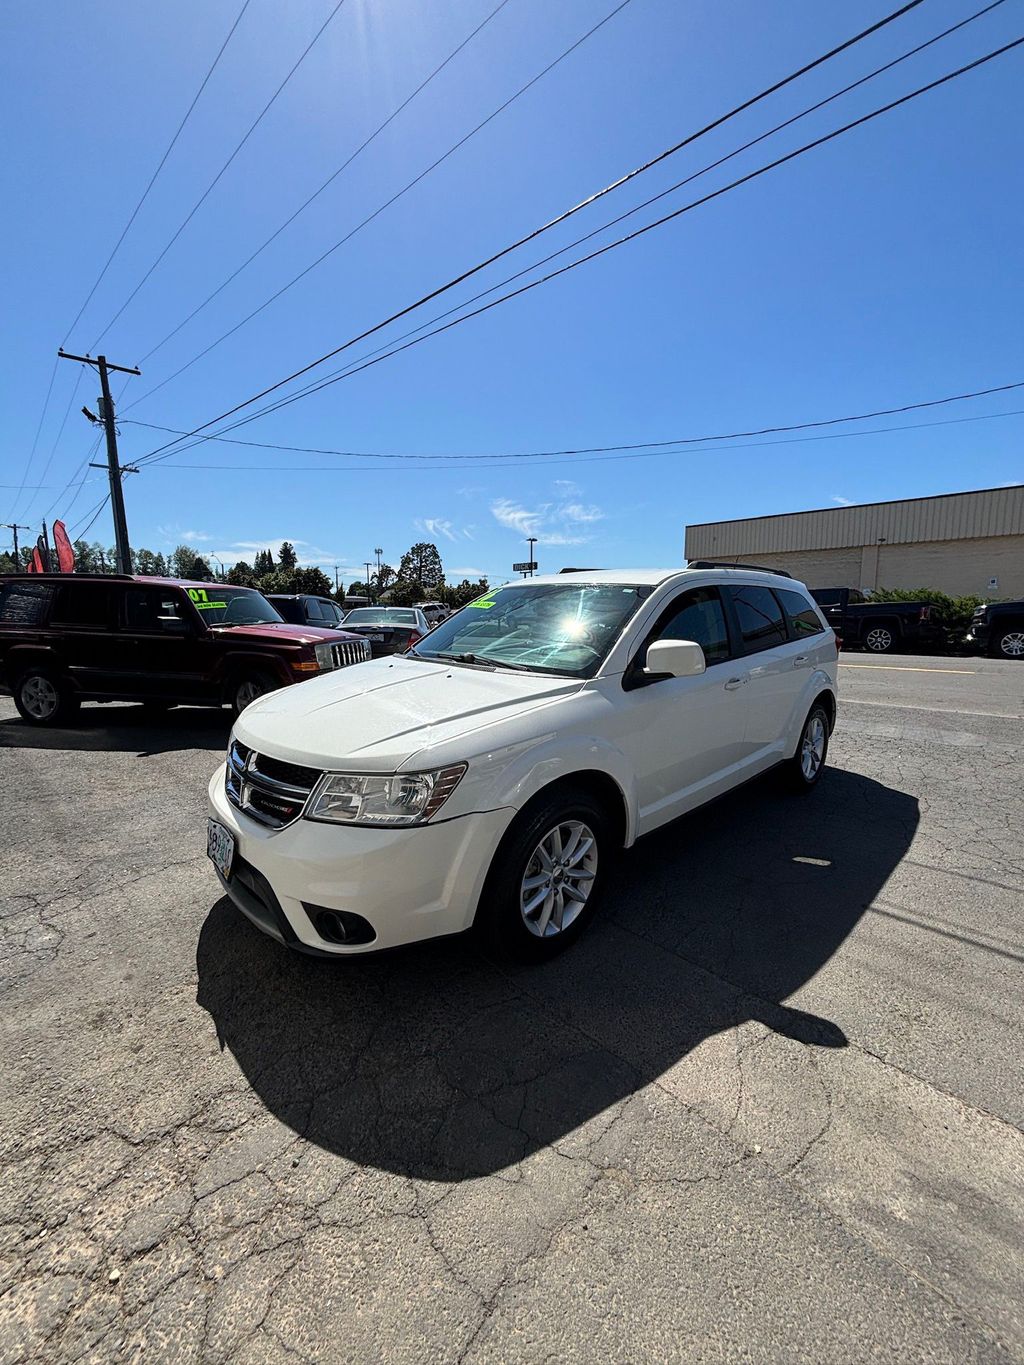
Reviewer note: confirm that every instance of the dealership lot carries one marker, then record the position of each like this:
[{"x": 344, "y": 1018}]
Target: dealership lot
[{"x": 769, "y": 1108}]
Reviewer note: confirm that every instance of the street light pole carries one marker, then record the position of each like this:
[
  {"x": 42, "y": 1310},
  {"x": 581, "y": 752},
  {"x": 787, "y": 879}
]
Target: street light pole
[
  {"x": 531, "y": 541},
  {"x": 369, "y": 566}
]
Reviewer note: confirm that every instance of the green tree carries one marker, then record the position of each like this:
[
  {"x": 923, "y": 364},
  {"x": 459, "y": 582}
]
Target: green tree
[
  {"x": 460, "y": 593},
  {"x": 242, "y": 575},
  {"x": 85, "y": 559},
  {"x": 182, "y": 561},
  {"x": 146, "y": 563},
  {"x": 384, "y": 577},
  {"x": 263, "y": 563},
  {"x": 406, "y": 594},
  {"x": 421, "y": 564},
  {"x": 200, "y": 570},
  {"x": 287, "y": 559},
  {"x": 311, "y": 580},
  {"x": 358, "y": 589}
]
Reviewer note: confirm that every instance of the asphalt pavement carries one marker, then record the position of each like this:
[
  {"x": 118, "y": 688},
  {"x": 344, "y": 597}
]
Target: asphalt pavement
[{"x": 769, "y": 1109}]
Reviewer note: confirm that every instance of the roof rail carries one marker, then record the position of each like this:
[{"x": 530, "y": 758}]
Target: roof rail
[{"x": 734, "y": 564}]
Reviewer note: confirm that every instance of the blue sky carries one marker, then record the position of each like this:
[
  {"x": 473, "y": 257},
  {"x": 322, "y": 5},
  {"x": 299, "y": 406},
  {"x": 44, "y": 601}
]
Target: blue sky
[{"x": 884, "y": 268}]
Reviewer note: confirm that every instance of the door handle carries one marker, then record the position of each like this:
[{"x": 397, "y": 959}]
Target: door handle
[
  {"x": 800, "y": 660},
  {"x": 733, "y": 683}
]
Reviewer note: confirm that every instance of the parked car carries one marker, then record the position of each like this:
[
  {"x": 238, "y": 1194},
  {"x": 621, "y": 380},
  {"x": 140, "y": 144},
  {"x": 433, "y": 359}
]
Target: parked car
[
  {"x": 997, "y": 628},
  {"x": 65, "y": 639},
  {"x": 390, "y": 630},
  {"x": 305, "y": 609},
  {"x": 878, "y": 626},
  {"x": 435, "y": 612},
  {"x": 489, "y": 775}
]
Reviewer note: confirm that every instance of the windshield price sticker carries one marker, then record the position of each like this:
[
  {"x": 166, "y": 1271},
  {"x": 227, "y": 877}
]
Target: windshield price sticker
[
  {"x": 201, "y": 601},
  {"x": 482, "y": 603}
]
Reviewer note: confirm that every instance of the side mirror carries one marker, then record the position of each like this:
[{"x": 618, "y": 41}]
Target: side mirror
[{"x": 677, "y": 658}]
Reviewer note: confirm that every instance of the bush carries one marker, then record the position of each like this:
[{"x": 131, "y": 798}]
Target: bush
[{"x": 951, "y": 614}]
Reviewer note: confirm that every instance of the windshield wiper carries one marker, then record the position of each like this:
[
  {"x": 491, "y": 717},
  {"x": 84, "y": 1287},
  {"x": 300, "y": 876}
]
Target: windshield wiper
[{"x": 471, "y": 660}]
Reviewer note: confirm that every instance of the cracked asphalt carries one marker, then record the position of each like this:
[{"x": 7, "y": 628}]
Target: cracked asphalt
[{"x": 768, "y": 1110}]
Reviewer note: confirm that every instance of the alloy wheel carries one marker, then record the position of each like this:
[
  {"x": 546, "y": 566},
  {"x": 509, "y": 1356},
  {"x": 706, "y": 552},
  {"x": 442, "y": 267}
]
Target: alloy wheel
[
  {"x": 812, "y": 748},
  {"x": 247, "y": 692},
  {"x": 559, "y": 878},
  {"x": 1012, "y": 644},
  {"x": 40, "y": 697},
  {"x": 879, "y": 639}
]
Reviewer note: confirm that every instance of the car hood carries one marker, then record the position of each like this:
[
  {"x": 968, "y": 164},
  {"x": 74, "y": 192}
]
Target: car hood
[
  {"x": 284, "y": 631},
  {"x": 379, "y": 714}
]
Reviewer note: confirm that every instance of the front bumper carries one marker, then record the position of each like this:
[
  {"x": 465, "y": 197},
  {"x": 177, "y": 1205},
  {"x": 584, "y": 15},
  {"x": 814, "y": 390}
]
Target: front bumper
[{"x": 408, "y": 884}]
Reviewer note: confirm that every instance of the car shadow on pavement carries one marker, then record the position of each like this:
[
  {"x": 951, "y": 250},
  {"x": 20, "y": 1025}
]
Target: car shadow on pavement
[
  {"x": 124, "y": 729},
  {"x": 433, "y": 1062}
]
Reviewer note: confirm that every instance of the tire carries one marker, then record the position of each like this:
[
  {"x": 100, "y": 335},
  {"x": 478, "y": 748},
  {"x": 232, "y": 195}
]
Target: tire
[
  {"x": 43, "y": 697},
  {"x": 880, "y": 639},
  {"x": 803, "y": 771},
  {"x": 521, "y": 922},
  {"x": 247, "y": 687},
  {"x": 1010, "y": 644}
]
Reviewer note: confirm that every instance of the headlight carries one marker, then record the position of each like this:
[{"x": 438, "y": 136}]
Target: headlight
[
  {"x": 325, "y": 656},
  {"x": 401, "y": 799}
]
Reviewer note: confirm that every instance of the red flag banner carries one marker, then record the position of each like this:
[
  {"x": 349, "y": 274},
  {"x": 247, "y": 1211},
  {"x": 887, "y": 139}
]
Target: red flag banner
[
  {"x": 35, "y": 564},
  {"x": 64, "y": 548}
]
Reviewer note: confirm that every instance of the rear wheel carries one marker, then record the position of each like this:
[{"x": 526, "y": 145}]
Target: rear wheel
[
  {"x": 1010, "y": 644},
  {"x": 44, "y": 698},
  {"x": 543, "y": 885},
  {"x": 805, "y": 768},
  {"x": 880, "y": 639},
  {"x": 246, "y": 688}
]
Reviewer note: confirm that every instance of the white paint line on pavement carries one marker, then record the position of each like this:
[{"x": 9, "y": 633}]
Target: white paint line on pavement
[
  {"x": 944, "y": 710},
  {"x": 907, "y": 668}
]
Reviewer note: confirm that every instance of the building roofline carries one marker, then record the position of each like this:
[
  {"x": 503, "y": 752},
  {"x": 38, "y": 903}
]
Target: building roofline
[{"x": 851, "y": 506}]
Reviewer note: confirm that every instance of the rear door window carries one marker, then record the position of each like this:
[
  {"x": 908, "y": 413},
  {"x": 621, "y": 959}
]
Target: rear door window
[
  {"x": 759, "y": 616},
  {"x": 24, "y": 604},
  {"x": 81, "y": 604},
  {"x": 698, "y": 615},
  {"x": 803, "y": 619},
  {"x": 148, "y": 610}
]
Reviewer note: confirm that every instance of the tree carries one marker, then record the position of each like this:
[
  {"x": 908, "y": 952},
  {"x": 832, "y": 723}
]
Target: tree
[
  {"x": 263, "y": 563},
  {"x": 182, "y": 562},
  {"x": 85, "y": 559},
  {"x": 459, "y": 594},
  {"x": 311, "y": 580},
  {"x": 200, "y": 570},
  {"x": 422, "y": 564},
  {"x": 146, "y": 563},
  {"x": 384, "y": 577},
  {"x": 287, "y": 559},
  {"x": 242, "y": 575},
  {"x": 358, "y": 589},
  {"x": 406, "y": 594}
]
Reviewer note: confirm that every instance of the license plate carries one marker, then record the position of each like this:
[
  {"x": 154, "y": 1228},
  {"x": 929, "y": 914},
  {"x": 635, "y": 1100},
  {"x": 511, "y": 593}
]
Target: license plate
[
  {"x": 378, "y": 638},
  {"x": 220, "y": 847}
]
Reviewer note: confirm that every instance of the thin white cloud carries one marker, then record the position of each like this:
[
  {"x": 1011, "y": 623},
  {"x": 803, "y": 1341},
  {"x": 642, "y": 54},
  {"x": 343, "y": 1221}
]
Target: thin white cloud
[
  {"x": 436, "y": 526},
  {"x": 551, "y": 523},
  {"x": 843, "y": 502},
  {"x": 567, "y": 487},
  {"x": 467, "y": 571},
  {"x": 577, "y": 511}
]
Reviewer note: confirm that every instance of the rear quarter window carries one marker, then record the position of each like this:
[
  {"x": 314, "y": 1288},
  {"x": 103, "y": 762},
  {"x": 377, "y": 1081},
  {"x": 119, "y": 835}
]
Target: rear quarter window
[
  {"x": 25, "y": 604},
  {"x": 760, "y": 619},
  {"x": 803, "y": 619}
]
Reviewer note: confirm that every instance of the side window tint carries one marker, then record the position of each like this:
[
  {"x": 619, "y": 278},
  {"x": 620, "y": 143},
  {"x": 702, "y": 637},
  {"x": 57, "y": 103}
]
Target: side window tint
[
  {"x": 149, "y": 609},
  {"x": 760, "y": 617},
  {"x": 803, "y": 619},
  {"x": 78, "y": 605},
  {"x": 24, "y": 604},
  {"x": 698, "y": 615},
  {"x": 313, "y": 610}
]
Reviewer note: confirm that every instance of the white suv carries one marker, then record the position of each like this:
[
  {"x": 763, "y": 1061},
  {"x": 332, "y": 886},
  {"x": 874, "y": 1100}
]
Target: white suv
[{"x": 489, "y": 775}]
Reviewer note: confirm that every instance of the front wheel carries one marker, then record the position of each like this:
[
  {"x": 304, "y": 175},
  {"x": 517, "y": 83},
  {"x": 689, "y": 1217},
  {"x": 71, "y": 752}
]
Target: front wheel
[
  {"x": 805, "y": 768},
  {"x": 543, "y": 885},
  {"x": 246, "y": 689},
  {"x": 44, "y": 698},
  {"x": 1010, "y": 645},
  {"x": 880, "y": 640}
]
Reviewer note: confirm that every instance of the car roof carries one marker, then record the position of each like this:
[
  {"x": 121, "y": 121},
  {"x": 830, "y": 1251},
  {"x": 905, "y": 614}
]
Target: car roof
[
  {"x": 655, "y": 577},
  {"x": 142, "y": 579}
]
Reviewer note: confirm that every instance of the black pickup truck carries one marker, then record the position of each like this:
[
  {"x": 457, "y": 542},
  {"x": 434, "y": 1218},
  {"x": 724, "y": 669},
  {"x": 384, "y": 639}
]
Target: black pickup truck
[
  {"x": 997, "y": 628},
  {"x": 878, "y": 626}
]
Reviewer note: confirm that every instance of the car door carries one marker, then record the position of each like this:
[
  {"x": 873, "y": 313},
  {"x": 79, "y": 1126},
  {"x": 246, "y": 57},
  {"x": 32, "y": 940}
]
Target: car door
[
  {"x": 163, "y": 651},
  {"x": 773, "y": 679},
  {"x": 82, "y": 617},
  {"x": 685, "y": 735}
]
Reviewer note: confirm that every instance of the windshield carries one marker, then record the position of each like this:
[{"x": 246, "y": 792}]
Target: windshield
[
  {"x": 382, "y": 616},
  {"x": 549, "y": 628},
  {"x": 232, "y": 606}
]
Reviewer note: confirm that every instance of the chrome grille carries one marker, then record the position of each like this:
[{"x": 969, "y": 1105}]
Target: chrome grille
[
  {"x": 350, "y": 652},
  {"x": 270, "y": 790}
]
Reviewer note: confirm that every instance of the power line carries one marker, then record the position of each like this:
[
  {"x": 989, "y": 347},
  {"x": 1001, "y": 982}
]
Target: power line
[
  {"x": 152, "y": 179},
  {"x": 329, "y": 181},
  {"x": 601, "y": 251},
  {"x": 551, "y": 223},
  {"x": 632, "y": 446},
  {"x": 39, "y": 428},
  {"x": 80, "y": 534},
  {"x": 355, "y": 366},
  {"x": 387, "y": 203},
  {"x": 202, "y": 198}
]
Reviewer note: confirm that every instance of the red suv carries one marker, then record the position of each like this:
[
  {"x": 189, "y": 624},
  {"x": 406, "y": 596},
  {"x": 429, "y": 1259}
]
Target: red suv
[{"x": 65, "y": 639}]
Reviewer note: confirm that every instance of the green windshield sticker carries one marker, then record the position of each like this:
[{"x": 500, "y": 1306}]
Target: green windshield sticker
[
  {"x": 208, "y": 606},
  {"x": 482, "y": 603}
]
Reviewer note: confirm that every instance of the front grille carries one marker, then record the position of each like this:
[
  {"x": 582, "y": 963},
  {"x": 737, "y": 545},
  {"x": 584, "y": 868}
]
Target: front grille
[
  {"x": 268, "y": 789},
  {"x": 350, "y": 652}
]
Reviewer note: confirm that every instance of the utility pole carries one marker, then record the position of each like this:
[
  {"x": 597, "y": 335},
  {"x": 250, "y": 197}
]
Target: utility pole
[
  {"x": 378, "y": 551},
  {"x": 531, "y": 541},
  {"x": 14, "y": 527},
  {"x": 124, "y": 553},
  {"x": 369, "y": 590},
  {"x": 47, "y": 563},
  {"x": 336, "y": 588}
]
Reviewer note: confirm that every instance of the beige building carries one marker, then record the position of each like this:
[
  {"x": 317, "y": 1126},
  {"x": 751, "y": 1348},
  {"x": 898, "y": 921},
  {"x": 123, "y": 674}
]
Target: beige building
[{"x": 957, "y": 542}]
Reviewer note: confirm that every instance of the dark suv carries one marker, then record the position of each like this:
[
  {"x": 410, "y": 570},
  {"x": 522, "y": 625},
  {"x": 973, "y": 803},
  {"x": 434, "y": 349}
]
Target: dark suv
[
  {"x": 65, "y": 639},
  {"x": 997, "y": 628},
  {"x": 306, "y": 609}
]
